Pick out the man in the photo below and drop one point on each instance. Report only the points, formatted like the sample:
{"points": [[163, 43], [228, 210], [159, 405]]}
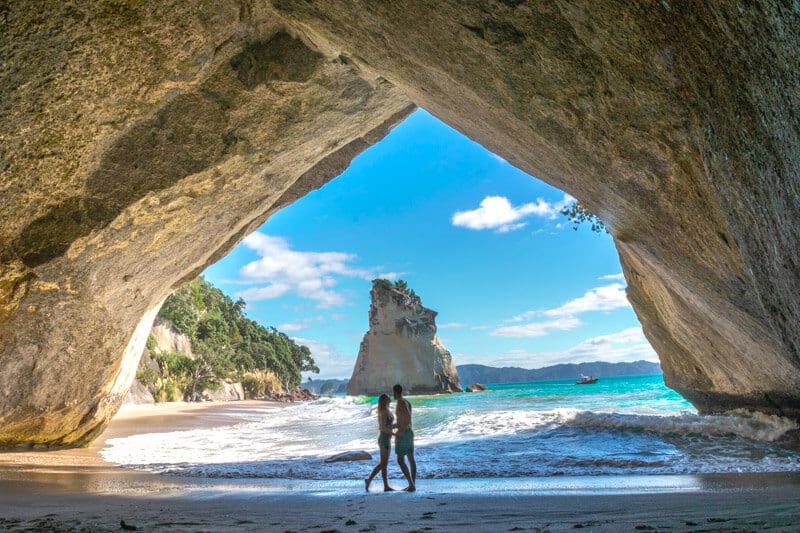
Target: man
{"points": [[404, 438]]}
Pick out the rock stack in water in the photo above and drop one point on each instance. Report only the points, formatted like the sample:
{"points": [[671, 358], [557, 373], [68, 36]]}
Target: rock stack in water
{"points": [[401, 347]]}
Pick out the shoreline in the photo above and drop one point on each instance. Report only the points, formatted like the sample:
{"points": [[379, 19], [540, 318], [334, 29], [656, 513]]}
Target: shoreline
{"points": [[72, 489]]}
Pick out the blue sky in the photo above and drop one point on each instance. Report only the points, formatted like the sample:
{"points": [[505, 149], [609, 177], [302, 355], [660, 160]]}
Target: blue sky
{"points": [[481, 242]]}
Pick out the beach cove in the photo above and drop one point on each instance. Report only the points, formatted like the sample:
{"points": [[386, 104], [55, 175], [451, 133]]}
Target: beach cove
{"points": [[76, 489]]}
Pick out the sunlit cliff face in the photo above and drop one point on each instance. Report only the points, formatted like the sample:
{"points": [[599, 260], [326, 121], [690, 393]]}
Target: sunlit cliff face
{"points": [[401, 346], [140, 145]]}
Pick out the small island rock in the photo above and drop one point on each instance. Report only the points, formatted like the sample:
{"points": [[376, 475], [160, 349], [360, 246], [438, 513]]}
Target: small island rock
{"points": [[401, 346]]}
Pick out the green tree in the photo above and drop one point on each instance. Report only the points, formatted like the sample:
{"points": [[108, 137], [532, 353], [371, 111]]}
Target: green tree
{"points": [[383, 283], [403, 287], [227, 343], [202, 375]]}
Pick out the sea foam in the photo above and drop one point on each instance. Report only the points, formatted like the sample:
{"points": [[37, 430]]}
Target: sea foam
{"points": [[632, 425]]}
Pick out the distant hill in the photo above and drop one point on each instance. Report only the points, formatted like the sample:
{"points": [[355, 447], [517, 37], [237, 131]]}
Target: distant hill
{"points": [[326, 386], [469, 374]]}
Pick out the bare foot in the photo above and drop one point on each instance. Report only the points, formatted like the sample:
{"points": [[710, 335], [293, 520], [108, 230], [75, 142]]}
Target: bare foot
{"points": [[366, 485], [410, 488], [388, 489]]}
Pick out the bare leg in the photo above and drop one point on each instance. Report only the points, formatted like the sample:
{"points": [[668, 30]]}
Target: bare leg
{"points": [[384, 475], [401, 460], [413, 466], [380, 467], [371, 476]]}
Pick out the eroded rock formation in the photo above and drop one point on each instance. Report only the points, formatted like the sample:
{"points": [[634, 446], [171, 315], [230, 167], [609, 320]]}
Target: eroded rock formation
{"points": [[676, 122], [401, 346], [139, 142]]}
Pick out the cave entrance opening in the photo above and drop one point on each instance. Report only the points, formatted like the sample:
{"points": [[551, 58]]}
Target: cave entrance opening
{"points": [[481, 242], [486, 247]]}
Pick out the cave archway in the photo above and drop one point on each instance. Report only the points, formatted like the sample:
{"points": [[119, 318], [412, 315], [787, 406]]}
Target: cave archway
{"points": [[481, 242], [144, 145]]}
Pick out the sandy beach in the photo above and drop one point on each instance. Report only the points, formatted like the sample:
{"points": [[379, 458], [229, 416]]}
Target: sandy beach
{"points": [[75, 490]]}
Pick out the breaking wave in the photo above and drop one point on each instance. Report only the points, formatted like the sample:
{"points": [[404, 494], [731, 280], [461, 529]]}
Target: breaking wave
{"points": [[633, 425]]}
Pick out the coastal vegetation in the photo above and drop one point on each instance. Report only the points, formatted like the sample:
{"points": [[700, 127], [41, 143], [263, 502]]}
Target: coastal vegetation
{"points": [[225, 345], [578, 214], [399, 285]]}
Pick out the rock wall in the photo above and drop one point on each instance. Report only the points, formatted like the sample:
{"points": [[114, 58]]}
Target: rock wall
{"points": [[138, 394], [228, 391], [676, 122], [169, 340], [401, 347], [139, 142]]}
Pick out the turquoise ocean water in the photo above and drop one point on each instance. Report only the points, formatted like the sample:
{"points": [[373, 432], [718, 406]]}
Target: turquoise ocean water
{"points": [[628, 425]]}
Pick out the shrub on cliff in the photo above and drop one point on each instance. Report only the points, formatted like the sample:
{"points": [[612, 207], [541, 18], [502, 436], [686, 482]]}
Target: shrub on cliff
{"points": [[399, 285], [577, 213], [258, 384]]}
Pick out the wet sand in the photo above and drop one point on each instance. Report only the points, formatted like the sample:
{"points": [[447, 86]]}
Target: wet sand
{"points": [[74, 490]]}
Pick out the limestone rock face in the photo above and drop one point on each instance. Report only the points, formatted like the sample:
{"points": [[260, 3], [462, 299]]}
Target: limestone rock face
{"points": [[676, 122], [401, 347], [228, 391], [138, 144], [139, 394], [140, 141], [169, 340]]}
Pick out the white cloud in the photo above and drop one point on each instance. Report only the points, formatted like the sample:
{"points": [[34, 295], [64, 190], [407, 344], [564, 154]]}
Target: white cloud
{"points": [[451, 325], [332, 365], [303, 324], [625, 346], [391, 276], [287, 328], [564, 318], [626, 336], [281, 270], [527, 315], [606, 298], [608, 277], [497, 213], [538, 329], [275, 290]]}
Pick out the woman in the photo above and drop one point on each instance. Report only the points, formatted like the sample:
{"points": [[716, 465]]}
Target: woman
{"points": [[385, 421]]}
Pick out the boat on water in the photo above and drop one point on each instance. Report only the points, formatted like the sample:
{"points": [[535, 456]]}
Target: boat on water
{"points": [[586, 380]]}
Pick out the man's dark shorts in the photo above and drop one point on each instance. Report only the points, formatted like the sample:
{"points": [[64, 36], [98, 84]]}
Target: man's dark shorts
{"points": [[404, 444]]}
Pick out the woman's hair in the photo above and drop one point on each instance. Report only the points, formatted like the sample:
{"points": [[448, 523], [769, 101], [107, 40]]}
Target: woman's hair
{"points": [[384, 401]]}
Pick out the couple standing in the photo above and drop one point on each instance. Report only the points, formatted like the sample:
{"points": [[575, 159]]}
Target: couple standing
{"points": [[403, 440]]}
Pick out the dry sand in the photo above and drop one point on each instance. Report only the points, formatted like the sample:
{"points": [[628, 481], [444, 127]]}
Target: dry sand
{"points": [[75, 490]]}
